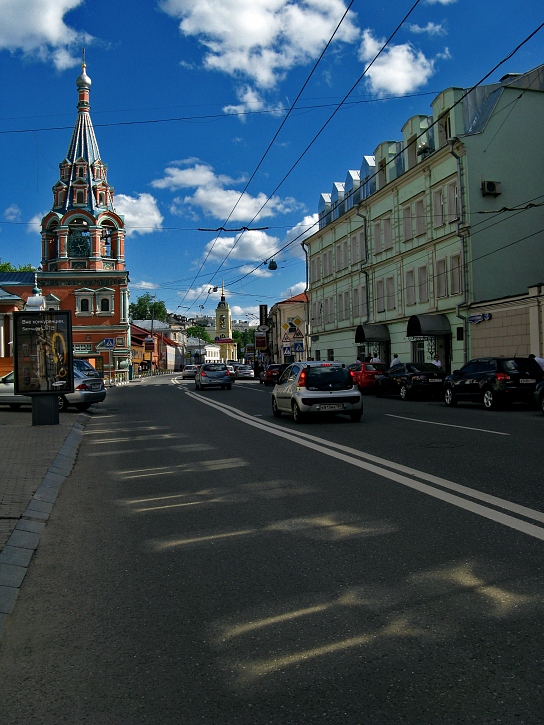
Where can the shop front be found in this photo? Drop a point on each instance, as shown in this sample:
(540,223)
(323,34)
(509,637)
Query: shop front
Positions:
(430,335)
(373,340)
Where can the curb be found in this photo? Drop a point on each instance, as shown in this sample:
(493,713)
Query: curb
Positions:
(25,538)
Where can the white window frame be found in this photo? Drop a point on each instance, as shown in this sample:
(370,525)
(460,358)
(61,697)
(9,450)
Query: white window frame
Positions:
(438,208)
(380,296)
(387,233)
(441,278)
(421,226)
(377,233)
(453,202)
(456,276)
(407,226)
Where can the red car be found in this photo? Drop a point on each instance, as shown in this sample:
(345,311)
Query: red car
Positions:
(366,373)
(272,373)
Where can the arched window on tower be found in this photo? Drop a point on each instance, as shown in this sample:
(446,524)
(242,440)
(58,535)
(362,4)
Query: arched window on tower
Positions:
(84,305)
(104,305)
(80,197)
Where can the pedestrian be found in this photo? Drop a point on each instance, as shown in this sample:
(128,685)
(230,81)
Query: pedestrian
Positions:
(436,361)
(368,358)
(375,359)
(395,360)
(539,360)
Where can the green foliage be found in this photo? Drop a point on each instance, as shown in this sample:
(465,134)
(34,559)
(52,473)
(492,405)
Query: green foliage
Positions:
(147,307)
(8,267)
(199,333)
(244,338)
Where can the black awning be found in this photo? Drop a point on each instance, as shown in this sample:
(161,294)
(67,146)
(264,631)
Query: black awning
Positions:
(428,326)
(371,333)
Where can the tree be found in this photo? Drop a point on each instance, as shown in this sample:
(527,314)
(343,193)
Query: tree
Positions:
(8,267)
(198,332)
(244,338)
(147,307)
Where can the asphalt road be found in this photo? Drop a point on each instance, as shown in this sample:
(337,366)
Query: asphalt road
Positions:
(207,563)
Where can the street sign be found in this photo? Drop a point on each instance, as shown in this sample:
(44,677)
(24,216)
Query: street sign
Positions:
(298,335)
(263,328)
(298,347)
(109,343)
(286,349)
(286,338)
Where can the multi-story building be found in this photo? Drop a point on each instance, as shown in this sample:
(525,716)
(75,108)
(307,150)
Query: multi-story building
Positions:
(83,249)
(433,226)
(288,329)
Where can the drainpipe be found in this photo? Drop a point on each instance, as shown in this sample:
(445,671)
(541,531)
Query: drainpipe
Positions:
(307,302)
(463,237)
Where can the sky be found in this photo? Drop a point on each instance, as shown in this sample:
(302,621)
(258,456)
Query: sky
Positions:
(228,115)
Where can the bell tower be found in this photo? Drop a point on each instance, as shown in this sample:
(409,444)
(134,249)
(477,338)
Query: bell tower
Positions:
(223,329)
(83,248)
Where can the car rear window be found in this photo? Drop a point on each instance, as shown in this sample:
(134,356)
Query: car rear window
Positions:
(214,367)
(375,366)
(520,365)
(324,375)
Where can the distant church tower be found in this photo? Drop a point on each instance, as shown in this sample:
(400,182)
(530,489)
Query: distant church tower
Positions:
(83,248)
(223,329)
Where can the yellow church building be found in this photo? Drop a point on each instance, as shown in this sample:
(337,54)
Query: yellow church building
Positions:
(223,330)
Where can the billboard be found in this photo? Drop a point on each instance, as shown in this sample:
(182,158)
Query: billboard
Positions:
(263,314)
(43,352)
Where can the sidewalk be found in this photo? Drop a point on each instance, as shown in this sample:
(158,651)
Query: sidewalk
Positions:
(35,460)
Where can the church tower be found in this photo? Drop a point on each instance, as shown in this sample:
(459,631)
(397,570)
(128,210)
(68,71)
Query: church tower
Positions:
(83,249)
(223,329)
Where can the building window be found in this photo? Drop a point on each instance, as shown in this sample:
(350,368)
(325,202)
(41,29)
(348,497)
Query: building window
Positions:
(420,218)
(363,306)
(84,305)
(418,351)
(441,279)
(382,174)
(407,232)
(104,305)
(456,285)
(423,284)
(377,229)
(438,207)
(327,263)
(390,293)
(317,355)
(340,306)
(330,354)
(347,310)
(444,129)
(453,202)
(412,152)
(380,301)
(387,234)
(410,288)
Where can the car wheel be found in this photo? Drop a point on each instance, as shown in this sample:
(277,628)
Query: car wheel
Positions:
(489,399)
(449,398)
(63,403)
(83,406)
(275,412)
(403,392)
(16,406)
(298,415)
(356,415)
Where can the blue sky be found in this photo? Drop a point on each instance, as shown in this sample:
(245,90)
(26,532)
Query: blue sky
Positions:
(186,98)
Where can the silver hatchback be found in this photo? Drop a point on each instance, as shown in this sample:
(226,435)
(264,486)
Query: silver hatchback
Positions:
(213,375)
(317,387)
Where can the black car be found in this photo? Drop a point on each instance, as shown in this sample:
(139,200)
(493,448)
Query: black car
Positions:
(411,379)
(494,381)
(539,396)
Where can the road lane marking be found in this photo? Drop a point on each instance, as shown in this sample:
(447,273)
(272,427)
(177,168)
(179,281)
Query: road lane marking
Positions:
(339,452)
(447,425)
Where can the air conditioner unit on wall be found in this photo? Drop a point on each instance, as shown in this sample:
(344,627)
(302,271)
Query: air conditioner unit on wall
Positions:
(491,188)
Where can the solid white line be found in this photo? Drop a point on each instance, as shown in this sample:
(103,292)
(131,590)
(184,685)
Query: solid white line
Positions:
(448,425)
(307,441)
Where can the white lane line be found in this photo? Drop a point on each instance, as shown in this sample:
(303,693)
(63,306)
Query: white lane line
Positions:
(307,441)
(447,425)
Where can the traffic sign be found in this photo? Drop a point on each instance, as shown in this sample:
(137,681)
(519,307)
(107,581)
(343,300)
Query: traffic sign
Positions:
(263,328)
(286,338)
(298,347)
(298,335)
(286,349)
(109,343)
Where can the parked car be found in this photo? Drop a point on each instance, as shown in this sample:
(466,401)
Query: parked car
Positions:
(232,371)
(214,375)
(539,395)
(410,380)
(366,373)
(189,371)
(272,373)
(494,381)
(245,371)
(87,390)
(317,387)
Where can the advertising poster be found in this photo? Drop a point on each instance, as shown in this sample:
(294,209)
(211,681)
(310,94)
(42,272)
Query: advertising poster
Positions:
(43,352)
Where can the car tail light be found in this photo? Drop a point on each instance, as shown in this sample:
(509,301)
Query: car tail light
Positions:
(83,386)
(419,377)
(302,379)
(203,374)
(228,372)
(353,377)
(502,376)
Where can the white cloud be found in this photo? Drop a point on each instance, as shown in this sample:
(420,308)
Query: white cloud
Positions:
(12,213)
(35,224)
(300,232)
(212,198)
(261,39)
(399,69)
(37,29)
(441,2)
(142,215)
(430,29)
(251,102)
(295,289)
(203,293)
(144,285)
(253,245)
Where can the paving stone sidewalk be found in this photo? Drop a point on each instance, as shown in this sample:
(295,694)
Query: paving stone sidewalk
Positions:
(35,460)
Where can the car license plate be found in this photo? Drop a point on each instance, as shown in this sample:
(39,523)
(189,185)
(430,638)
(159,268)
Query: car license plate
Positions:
(435,380)
(527,380)
(95,386)
(331,406)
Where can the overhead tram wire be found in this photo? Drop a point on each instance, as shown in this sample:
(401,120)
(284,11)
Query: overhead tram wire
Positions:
(271,143)
(393,159)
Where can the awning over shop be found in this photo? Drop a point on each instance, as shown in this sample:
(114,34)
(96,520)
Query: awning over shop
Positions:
(371,333)
(428,326)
